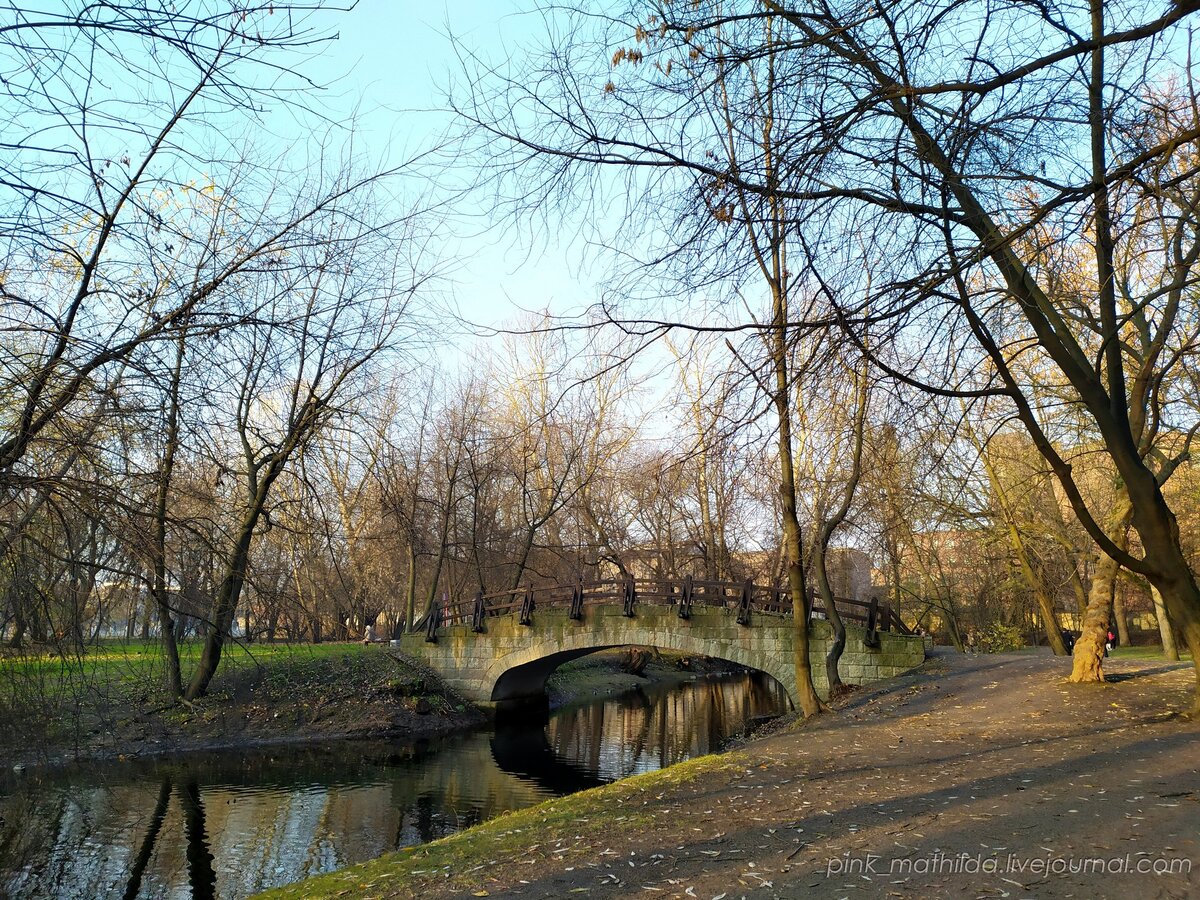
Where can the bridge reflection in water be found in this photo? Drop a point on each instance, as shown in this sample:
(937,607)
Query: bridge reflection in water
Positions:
(228,825)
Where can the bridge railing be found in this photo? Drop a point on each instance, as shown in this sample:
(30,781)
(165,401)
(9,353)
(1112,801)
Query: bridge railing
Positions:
(744,598)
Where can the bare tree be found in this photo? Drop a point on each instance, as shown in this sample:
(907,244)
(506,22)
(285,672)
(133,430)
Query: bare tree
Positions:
(910,128)
(325,312)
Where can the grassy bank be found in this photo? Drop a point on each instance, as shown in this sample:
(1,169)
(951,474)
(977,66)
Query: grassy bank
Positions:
(556,833)
(112,700)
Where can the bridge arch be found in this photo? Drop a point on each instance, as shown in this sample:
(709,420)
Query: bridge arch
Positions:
(512,655)
(523,672)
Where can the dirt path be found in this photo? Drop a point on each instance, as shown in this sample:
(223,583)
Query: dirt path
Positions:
(977,777)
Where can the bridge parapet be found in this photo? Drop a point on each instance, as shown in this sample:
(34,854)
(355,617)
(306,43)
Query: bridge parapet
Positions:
(683,595)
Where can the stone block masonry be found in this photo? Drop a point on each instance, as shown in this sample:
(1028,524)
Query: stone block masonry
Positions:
(510,660)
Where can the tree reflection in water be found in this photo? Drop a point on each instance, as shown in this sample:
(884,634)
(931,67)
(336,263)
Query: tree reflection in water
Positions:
(228,825)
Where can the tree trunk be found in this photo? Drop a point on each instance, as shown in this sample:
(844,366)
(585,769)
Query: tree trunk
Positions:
(447,513)
(955,635)
(1182,600)
(1045,603)
(1078,589)
(223,610)
(1089,648)
(410,594)
(162,494)
(712,566)
(806,694)
(230,589)
(834,656)
(1119,616)
(523,559)
(1165,632)
(19,626)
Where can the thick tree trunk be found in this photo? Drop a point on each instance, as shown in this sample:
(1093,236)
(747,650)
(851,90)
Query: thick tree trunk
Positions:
(1167,566)
(1089,647)
(1182,599)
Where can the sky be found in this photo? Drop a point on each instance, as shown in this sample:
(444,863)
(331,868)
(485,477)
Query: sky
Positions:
(390,66)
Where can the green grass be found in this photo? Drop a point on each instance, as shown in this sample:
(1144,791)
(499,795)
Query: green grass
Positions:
(1152,652)
(117,666)
(118,687)
(117,655)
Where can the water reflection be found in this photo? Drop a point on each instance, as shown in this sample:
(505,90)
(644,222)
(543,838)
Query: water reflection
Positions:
(228,825)
(646,730)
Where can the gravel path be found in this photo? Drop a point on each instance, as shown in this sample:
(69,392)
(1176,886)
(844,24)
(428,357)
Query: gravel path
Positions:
(979,776)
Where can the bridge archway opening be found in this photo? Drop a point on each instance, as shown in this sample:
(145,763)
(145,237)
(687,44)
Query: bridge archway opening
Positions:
(528,680)
(525,684)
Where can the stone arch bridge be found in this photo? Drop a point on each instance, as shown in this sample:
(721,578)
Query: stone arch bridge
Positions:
(503,646)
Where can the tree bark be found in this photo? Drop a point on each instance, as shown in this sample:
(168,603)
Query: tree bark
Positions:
(806,694)
(410,590)
(230,589)
(834,655)
(1089,647)
(1120,617)
(162,494)
(1165,632)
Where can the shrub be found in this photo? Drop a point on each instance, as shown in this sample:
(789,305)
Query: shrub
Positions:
(999,638)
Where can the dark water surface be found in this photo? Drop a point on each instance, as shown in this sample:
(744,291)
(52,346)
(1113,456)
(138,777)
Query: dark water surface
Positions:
(230,824)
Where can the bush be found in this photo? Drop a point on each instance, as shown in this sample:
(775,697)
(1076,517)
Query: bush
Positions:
(998,638)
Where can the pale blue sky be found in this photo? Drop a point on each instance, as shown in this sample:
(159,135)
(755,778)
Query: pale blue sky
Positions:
(390,66)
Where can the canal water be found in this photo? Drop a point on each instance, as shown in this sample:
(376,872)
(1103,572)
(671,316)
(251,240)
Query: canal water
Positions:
(229,824)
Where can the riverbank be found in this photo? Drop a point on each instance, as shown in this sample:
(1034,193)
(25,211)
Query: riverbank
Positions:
(976,775)
(111,705)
